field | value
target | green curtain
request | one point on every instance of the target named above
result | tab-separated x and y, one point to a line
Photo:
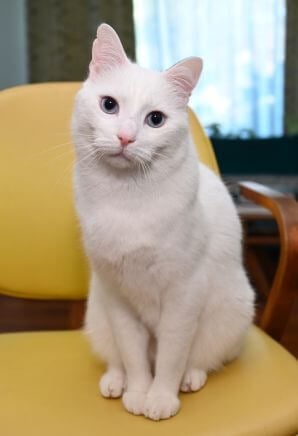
291	69
60	35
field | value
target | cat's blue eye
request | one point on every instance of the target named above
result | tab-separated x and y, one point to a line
109	105
155	119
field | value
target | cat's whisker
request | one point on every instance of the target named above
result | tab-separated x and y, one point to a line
143	155
66	149
145	169
144	160
52	149
91	151
64	175
154	153
159	154
84	135
61	156
89	157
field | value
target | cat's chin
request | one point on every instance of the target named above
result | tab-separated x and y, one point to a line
120	161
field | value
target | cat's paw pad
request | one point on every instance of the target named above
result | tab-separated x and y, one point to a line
134	402
193	380
161	405
112	384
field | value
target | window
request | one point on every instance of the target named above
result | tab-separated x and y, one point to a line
242	43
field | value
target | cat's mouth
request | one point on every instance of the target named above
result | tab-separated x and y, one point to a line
121	155
120	159
125	158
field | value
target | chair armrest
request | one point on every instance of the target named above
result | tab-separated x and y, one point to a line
284	288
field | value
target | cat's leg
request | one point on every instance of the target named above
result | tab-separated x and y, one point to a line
99	332
222	327
132	339
133	342
174	337
112	383
193	380
206	356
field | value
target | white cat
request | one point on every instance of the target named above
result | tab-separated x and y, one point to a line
169	299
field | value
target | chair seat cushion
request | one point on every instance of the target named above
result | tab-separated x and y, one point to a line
49	386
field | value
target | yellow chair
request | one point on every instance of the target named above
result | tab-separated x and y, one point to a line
48	380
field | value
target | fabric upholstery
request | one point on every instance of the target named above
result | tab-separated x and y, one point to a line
202	143
41	254
49	386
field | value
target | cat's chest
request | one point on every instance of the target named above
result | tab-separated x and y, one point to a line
118	235
137	272
124	244
142	280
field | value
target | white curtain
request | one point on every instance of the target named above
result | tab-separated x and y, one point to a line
242	43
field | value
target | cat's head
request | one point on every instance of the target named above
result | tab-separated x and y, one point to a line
126	115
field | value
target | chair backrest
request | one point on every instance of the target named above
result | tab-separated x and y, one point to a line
202	142
41	254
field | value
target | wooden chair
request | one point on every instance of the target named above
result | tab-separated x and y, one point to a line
49	379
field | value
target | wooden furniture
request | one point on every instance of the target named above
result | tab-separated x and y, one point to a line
284	290
49	379
260	244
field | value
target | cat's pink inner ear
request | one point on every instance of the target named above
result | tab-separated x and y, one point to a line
107	51
184	76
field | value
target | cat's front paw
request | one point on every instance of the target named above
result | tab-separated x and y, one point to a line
193	380
112	384
134	402
161	405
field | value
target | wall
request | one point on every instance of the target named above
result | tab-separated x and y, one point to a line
291	72
13	52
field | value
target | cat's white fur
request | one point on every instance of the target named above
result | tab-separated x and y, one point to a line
169	299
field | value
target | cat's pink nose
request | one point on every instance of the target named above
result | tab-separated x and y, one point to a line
125	139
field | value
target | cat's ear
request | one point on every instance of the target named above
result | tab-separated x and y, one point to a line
184	76
107	51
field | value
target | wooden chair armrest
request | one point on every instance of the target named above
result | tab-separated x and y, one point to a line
285	284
